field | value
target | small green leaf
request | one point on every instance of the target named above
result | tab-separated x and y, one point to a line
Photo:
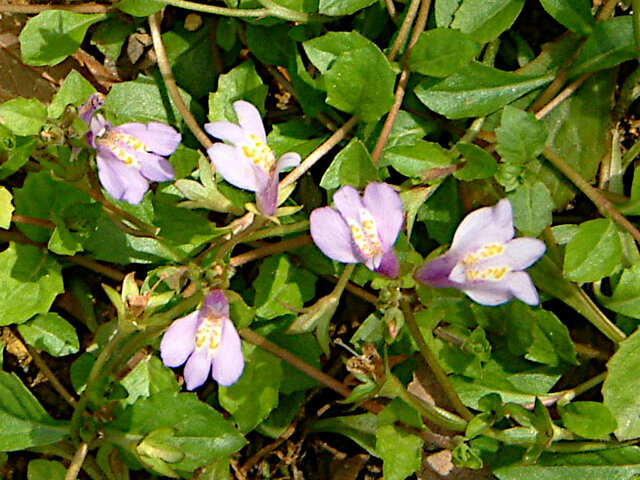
479	163
626	296
29	283
39	469
149	377
485	20
521	136
532	208
74	91
400	451
255	395
323	51
342	7
140	8
432	56
359	428
621	388
356	167
271	45
361	82
587	419
612	42
6	208
51	333
53	35
476	90
415	160
23	116
241	83
109	36
594	253
573	14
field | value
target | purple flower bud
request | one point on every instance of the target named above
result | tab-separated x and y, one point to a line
362	229
207	341
249	163
485	261
130	155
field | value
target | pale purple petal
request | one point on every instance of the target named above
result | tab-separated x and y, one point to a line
288	160
331	235
234	167
384	204
178	341
158	137
485	225
122	182
94	102
267	198
228	362
249	118
98	126
435	272
154	167
522	287
389	266
197	369
490	297
217	302
521	253
227	131
348	202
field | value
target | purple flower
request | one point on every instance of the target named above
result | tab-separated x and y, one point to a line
249	164
363	229
130	155
207	340
485	261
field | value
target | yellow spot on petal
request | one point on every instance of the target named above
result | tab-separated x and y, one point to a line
259	153
209	333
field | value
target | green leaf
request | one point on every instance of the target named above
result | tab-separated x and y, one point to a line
140	8
148	378
485	20
23	421
551	341
431	55
612	42
359	428
476	90
442	212
45	470
573	14
361	82
626	295
323	51
521	136
479	163
53	35
29	283
23	116
342	7
415	160
109	36
356	167
621	388
255	395
51	333
144	100
6	208
532	208
74	91
611	464
17	156
200	432
444	11
587	419
280	281
400	451
271	45
241	83
594	253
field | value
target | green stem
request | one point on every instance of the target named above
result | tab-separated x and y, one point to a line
272	9
278	231
631	155
433	363
66	450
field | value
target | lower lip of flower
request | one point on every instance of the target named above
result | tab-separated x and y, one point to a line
114	140
492	274
365	235
259	153
209	333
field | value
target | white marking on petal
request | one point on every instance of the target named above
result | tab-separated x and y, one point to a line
209	333
259	153
365	236
115	141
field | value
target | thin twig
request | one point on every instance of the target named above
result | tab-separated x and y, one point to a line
318	153
47	372
77	461
405	28
601	203
170	82
38	222
433	363
562	96
271	249
97	267
391	9
34	9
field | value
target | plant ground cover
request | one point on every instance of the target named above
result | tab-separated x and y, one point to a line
319	239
